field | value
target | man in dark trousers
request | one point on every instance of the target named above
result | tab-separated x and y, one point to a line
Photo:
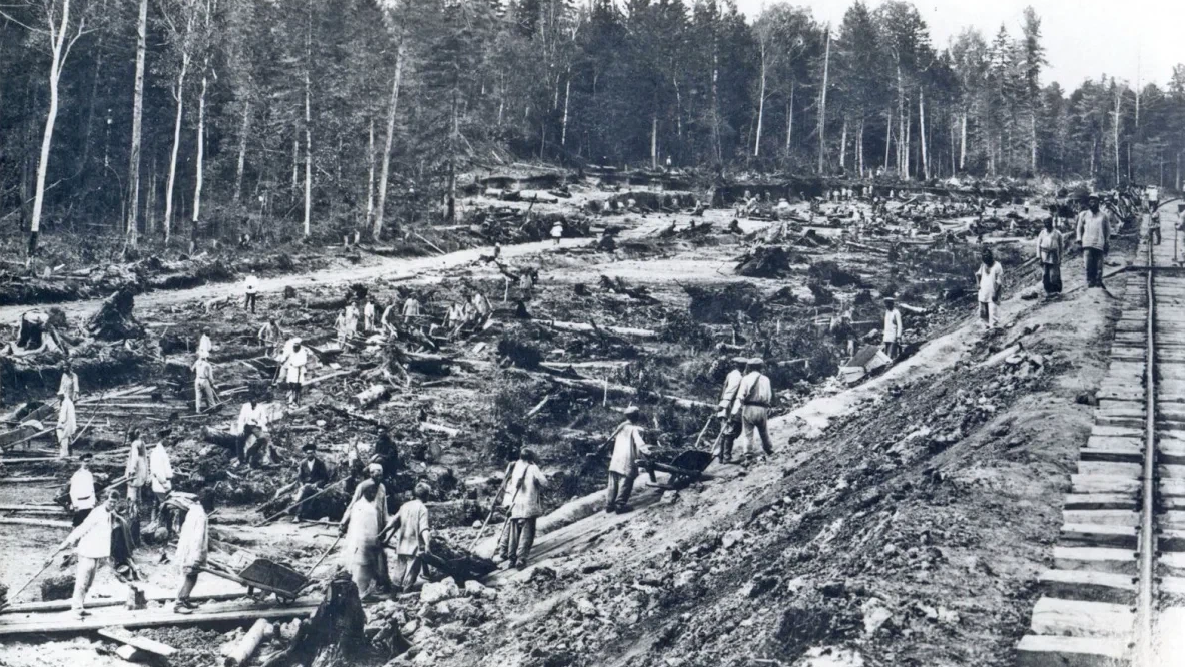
313	477
1094	235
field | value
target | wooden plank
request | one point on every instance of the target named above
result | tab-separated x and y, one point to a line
25	480
146	618
44	523
142	643
64	605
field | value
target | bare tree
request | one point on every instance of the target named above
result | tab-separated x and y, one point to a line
179	20
137	125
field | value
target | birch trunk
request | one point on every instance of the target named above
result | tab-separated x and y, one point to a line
963	144
654	140
308	156
888	137
823	103
564	124
385	171
179	95
201	152
370	177
790	118
137	125
922	133
760	104
860	147
242	160
843	145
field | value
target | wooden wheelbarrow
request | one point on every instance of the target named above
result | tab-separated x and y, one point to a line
685	469
263	575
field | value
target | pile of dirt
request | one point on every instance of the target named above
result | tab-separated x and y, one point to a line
718	304
765	261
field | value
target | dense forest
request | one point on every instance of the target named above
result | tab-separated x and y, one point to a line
179	118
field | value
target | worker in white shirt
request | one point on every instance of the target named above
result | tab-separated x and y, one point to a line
92	539
628	449
730	424
270	336
752	404
368	315
204	344
894	329
990	278
193	548
352	316
411	308
250	286
521	496
68	387
66	427
203	384
136	471
251	429
160	470
82	490
293	367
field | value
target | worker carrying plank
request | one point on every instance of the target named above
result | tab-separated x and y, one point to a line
521	496
753	400
628	449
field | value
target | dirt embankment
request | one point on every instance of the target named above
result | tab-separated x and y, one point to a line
909	532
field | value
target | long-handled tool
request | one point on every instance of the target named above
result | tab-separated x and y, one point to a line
30	581
513	497
296	504
320	560
702	431
493	507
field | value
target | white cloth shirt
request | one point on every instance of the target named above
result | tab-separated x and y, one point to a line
204	346
193	544
203	371
628	445
82	489
67	422
250	416
1049	247
1094	229
69	386
160	469
526	481
137	466
413	522
755	390
989	278
250	284
92	538
732	383
294	364
893	326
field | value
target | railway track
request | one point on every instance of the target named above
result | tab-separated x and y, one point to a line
1116	593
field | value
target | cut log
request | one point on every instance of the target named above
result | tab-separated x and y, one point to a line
141	643
622	331
327	304
437	428
220	438
242	651
372	395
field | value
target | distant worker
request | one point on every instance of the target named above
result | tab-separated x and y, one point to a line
754	398
628	449
1094	235
82	490
250	429
894	330
342	326
521	496
557	231
1154	227
193	548
160	470
68	387
203	385
730	423
270	336
368	315
312	476
66	427
92	542
990	278
413	537
293	367
250	286
136	470
411	307
1049	253
204	344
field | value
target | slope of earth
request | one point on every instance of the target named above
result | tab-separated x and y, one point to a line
901	523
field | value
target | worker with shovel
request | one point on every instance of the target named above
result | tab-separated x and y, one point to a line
521	496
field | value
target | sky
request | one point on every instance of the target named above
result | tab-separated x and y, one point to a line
1136	40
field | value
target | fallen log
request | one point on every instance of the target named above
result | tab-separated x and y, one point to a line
374	394
599	388
241	651
25	480
138	643
623	331
437	428
44	523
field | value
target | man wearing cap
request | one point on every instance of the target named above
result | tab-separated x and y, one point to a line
521	496
754	397
730	426
1094	235
1049	253
313	475
628	448
412	534
82	490
92	539
893	328
193	548
293	366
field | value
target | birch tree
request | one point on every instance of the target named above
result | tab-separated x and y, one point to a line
180	17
